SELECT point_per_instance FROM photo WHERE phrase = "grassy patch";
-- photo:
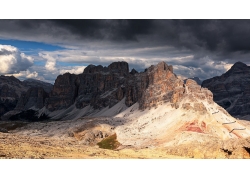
(109, 142)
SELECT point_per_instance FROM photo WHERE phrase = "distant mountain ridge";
(231, 90)
(101, 87)
(12, 89)
(37, 83)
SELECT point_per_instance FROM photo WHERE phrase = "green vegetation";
(109, 143)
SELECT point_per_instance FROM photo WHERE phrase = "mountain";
(17, 96)
(142, 110)
(231, 90)
(196, 79)
(36, 83)
(11, 89)
(99, 90)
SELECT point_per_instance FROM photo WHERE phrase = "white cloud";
(25, 74)
(51, 61)
(32, 75)
(185, 65)
(70, 60)
(206, 68)
(73, 70)
(12, 60)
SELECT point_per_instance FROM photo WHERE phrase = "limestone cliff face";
(160, 85)
(27, 105)
(33, 98)
(63, 93)
(154, 86)
(231, 90)
(97, 86)
(36, 83)
(101, 87)
(195, 96)
(10, 90)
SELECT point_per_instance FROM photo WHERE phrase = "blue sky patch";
(28, 47)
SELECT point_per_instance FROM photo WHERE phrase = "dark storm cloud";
(203, 48)
(107, 29)
(211, 35)
(225, 35)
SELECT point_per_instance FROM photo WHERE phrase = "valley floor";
(25, 147)
(69, 140)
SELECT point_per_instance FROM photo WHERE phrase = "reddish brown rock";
(162, 85)
(101, 87)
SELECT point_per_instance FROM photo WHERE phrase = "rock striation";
(101, 87)
(231, 90)
(97, 86)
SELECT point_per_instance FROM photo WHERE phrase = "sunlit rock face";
(101, 87)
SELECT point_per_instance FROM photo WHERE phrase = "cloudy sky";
(43, 49)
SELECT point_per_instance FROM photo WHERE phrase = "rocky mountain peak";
(161, 66)
(119, 67)
(94, 69)
(162, 83)
(115, 67)
(238, 68)
(133, 72)
(101, 87)
(239, 65)
(231, 90)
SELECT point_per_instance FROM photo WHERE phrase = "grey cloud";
(184, 43)
(13, 61)
(5, 52)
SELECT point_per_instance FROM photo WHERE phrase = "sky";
(44, 48)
